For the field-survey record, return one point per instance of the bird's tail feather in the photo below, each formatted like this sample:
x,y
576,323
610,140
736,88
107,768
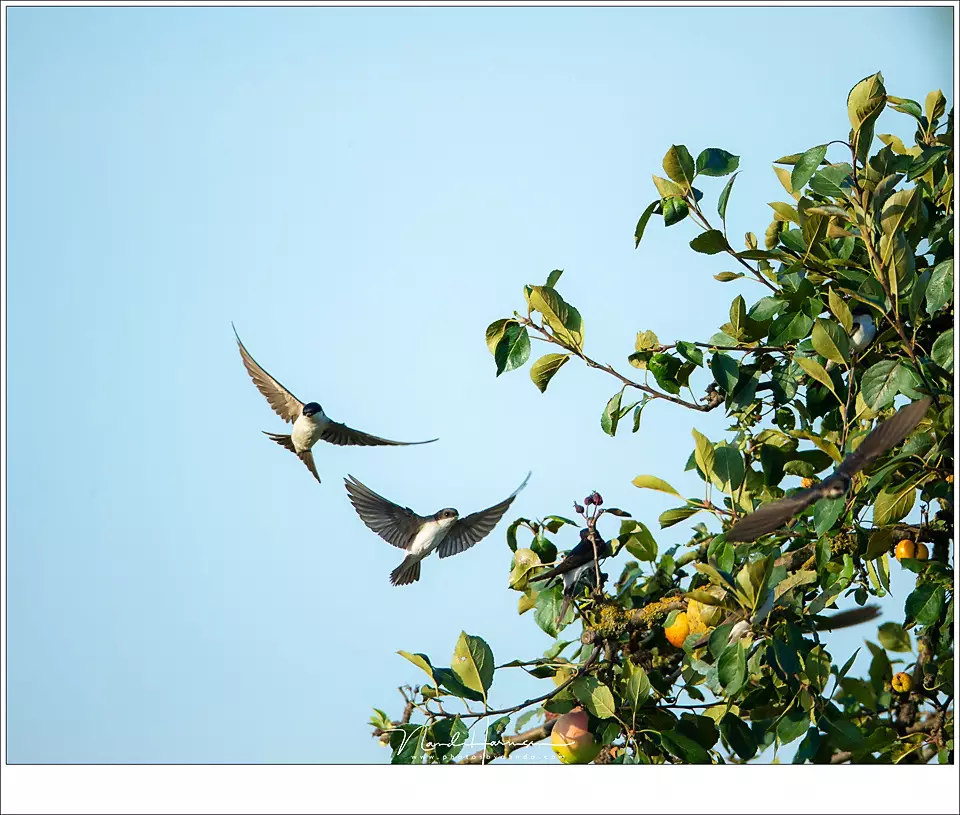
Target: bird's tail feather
x,y
407,572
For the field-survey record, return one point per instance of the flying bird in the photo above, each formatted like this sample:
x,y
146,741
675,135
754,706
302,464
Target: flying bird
x,y
575,566
310,423
420,535
884,436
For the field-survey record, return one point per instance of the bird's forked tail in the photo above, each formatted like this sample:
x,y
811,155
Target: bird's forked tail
x,y
407,572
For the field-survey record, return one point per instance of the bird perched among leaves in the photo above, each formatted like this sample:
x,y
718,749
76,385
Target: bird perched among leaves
x,y
420,535
579,563
863,331
886,435
310,423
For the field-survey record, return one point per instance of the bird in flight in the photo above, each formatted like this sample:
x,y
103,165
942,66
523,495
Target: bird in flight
x,y
883,437
420,535
310,423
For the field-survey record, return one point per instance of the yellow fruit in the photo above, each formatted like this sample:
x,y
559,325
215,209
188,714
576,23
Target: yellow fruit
x,y
571,739
922,552
678,632
902,682
906,548
806,483
949,478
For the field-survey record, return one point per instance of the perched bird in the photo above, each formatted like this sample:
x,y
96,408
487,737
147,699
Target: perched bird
x,y
419,535
577,565
884,436
310,423
862,334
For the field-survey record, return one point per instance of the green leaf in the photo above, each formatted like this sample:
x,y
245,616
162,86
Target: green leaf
x,y
726,277
899,210
422,661
495,333
831,341
562,318
678,165
676,515
610,417
473,663
894,638
449,736
729,469
940,287
825,513
785,211
789,327
816,371
642,223
595,697
866,100
636,684
665,369
739,736
716,162
651,482
934,106
548,605
891,506
725,371
942,351
704,453
637,411
840,310
806,166
690,352
407,744
553,278
710,242
924,605
513,348
929,157
684,748
724,198
883,381
674,210
907,106
732,669
543,370
833,181
638,540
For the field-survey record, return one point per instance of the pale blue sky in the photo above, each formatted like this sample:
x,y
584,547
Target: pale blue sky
x,y
362,191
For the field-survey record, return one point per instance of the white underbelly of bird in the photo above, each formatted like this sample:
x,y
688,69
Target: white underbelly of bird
x,y
306,432
430,537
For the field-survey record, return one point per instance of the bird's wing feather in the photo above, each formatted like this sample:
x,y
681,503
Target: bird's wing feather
x,y
475,527
337,433
773,515
397,525
286,405
884,436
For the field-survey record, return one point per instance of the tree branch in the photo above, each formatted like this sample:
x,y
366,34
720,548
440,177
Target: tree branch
x,y
511,743
591,363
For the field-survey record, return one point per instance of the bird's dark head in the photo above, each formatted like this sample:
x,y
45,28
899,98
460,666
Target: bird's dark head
x,y
448,514
312,408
